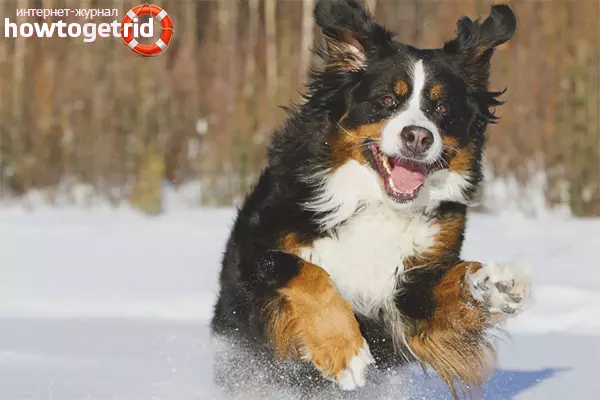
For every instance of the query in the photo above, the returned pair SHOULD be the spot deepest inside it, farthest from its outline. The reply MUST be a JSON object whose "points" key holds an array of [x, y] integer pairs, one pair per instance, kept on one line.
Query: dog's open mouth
{"points": [[402, 178]]}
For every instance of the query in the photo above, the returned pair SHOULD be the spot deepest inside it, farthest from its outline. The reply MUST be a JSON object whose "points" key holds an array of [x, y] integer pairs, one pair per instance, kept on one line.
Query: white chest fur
{"points": [[364, 260]]}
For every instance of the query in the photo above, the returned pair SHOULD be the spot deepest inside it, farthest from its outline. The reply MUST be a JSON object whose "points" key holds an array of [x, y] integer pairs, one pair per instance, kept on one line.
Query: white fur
{"points": [[442, 185], [353, 185], [374, 234], [412, 114], [365, 256], [353, 376], [370, 235], [341, 192], [504, 288]]}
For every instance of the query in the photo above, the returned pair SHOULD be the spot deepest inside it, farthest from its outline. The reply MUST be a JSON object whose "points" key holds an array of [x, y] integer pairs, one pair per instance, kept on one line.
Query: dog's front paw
{"points": [[503, 288], [353, 375], [317, 324], [341, 359]]}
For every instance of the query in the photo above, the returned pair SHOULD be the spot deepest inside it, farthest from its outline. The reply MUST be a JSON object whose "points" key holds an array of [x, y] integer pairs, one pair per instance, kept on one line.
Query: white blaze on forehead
{"points": [[418, 72], [412, 114]]}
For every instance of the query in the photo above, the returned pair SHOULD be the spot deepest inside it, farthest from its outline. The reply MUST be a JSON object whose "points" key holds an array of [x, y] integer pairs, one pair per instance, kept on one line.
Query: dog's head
{"points": [[414, 118]]}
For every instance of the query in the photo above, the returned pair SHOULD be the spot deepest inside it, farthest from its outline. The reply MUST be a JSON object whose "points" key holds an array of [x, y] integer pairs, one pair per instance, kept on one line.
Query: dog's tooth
{"points": [[386, 163], [391, 183], [393, 186]]}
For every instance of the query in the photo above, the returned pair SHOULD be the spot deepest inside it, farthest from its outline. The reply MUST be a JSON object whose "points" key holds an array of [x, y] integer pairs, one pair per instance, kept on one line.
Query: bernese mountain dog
{"points": [[347, 251]]}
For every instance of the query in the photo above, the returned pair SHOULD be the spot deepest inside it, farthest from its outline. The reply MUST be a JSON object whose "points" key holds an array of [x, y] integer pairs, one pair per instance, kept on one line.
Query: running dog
{"points": [[347, 251]]}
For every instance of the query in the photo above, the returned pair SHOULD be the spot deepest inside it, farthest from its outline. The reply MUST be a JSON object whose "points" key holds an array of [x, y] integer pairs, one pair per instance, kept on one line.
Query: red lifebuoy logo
{"points": [[166, 26]]}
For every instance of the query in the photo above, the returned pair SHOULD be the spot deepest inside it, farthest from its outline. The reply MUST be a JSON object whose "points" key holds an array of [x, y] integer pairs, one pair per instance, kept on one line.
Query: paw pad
{"points": [[504, 288]]}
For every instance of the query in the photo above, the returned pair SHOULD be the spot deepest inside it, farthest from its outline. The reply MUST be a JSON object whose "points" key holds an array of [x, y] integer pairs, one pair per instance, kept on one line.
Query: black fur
{"points": [[254, 266]]}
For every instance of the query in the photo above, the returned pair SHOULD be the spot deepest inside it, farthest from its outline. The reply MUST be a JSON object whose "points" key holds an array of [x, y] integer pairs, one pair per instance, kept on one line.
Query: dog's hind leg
{"points": [[451, 312]]}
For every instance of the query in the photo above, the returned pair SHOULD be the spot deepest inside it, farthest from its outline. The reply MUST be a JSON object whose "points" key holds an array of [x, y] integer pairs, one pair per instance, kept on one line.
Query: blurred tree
{"points": [[74, 112], [147, 190]]}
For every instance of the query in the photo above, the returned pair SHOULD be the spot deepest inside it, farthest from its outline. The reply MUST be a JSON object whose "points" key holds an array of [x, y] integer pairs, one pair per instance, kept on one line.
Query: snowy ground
{"points": [[111, 305]]}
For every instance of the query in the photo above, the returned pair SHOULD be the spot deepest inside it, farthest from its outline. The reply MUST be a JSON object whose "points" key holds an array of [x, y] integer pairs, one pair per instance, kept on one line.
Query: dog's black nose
{"points": [[417, 139]]}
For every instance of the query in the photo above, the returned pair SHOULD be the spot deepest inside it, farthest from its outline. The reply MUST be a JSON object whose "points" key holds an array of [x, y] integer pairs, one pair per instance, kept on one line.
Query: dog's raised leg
{"points": [[309, 320], [451, 332]]}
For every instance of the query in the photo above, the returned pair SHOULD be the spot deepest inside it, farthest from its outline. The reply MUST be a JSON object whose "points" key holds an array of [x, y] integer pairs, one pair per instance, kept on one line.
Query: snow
{"points": [[107, 304]]}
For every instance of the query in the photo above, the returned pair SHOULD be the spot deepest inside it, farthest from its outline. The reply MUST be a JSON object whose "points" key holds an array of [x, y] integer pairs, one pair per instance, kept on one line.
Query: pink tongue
{"points": [[407, 177]]}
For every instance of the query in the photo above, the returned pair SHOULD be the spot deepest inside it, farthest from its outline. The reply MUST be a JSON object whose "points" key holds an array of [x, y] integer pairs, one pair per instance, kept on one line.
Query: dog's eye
{"points": [[441, 109], [387, 101]]}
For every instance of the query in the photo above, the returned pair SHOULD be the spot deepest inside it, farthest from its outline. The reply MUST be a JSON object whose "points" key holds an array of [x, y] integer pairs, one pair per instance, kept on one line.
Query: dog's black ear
{"points": [[475, 42], [350, 33]]}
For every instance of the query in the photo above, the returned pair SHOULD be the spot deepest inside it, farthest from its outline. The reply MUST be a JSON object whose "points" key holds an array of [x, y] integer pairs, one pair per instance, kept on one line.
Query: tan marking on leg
{"points": [[453, 341], [311, 321]]}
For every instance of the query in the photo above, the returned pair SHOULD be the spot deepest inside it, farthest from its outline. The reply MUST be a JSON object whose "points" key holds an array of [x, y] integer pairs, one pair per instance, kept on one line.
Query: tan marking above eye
{"points": [[435, 93], [401, 87]]}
